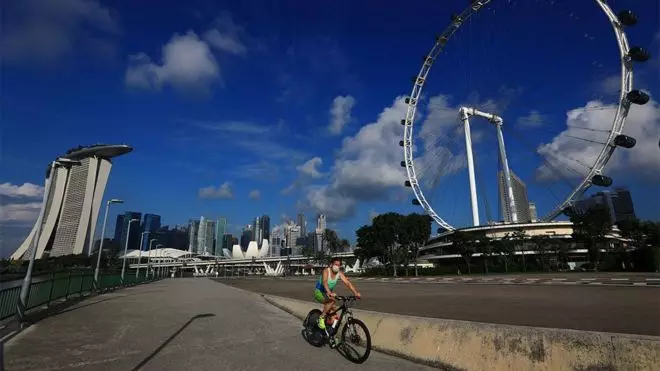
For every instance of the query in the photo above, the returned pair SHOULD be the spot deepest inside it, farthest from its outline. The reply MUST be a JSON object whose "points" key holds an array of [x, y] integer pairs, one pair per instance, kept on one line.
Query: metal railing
{"points": [[63, 286]]}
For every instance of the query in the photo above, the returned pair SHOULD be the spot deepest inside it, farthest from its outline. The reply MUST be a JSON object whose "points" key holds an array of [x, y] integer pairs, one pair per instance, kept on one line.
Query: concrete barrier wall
{"points": [[463, 345]]}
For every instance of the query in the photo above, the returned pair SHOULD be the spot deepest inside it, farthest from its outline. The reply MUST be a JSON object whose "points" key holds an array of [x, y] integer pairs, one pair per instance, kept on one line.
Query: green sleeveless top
{"points": [[332, 282]]}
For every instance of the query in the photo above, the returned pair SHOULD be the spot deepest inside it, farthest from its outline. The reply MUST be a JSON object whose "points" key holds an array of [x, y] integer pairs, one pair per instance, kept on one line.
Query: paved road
{"points": [[630, 309], [179, 324], [609, 279]]}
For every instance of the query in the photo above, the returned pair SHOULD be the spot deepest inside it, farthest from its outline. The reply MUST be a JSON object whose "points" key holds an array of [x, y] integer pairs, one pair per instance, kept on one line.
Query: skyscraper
{"points": [[320, 222], [206, 236], [246, 237], [150, 225], [618, 203], [193, 233], [292, 236], [623, 205], [134, 238], [73, 204], [320, 229], [119, 228], [228, 242], [533, 216], [265, 228], [256, 228], [220, 240], [302, 223], [520, 199]]}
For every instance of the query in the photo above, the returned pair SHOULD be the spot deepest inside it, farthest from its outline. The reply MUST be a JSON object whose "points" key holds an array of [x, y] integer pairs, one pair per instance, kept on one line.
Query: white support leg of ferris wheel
{"points": [[507, 174], [464, 115]]}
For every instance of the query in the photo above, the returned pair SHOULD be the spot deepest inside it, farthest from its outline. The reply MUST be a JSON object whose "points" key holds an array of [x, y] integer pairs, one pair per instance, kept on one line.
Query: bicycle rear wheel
{"points": [[311, 332], [356, 340]]}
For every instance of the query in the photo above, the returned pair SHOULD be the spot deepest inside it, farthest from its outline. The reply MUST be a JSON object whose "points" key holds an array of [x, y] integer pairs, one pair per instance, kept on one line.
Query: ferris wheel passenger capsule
{"points": [[403, 164], [638, 97], [639, 54], [401, 143], [625, 141], [415, 202], [601, 180], [407, 183], [627, 18]]}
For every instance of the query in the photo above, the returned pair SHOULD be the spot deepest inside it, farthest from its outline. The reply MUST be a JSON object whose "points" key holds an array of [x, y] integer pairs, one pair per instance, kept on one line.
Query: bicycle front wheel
{"points": [[356, 340]]}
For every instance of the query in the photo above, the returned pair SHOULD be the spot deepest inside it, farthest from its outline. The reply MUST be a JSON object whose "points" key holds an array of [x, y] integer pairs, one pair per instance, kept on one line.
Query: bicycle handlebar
{"points": [[346, 298]]}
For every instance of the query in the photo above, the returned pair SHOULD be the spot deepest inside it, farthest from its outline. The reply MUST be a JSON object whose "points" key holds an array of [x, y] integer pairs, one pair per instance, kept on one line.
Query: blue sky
{"points": [[243, 108]]}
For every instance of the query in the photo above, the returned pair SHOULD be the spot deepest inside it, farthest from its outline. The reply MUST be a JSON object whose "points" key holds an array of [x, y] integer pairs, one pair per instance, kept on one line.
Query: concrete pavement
{"points": [[176, 324], [631, 310]]}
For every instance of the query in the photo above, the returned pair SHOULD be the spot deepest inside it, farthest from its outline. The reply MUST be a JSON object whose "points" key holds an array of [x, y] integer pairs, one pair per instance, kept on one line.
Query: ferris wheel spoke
{"points": [[586, 140], [589, 129], [557, 156]]}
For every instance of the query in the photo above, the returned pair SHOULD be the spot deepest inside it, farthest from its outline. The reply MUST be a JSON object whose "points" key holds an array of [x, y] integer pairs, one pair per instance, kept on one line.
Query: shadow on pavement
{"points": [[12, 327], [172, 337]]}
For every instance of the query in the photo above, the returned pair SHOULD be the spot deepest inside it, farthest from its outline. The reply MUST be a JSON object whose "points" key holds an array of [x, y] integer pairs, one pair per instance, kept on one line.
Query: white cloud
{"points": [[25, 190], [222, 192], [533, 120], [47, 30], [611, 85], [25, 212], [340, 113], [187, 64], [372, 214], [310, 168], [225, 36], [306, 172], [643, 124], [366, 167], [255, 194]]}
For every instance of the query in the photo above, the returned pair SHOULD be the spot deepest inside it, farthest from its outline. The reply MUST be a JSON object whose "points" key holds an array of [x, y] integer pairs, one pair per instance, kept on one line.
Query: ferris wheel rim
{"points": [[618, 122]]}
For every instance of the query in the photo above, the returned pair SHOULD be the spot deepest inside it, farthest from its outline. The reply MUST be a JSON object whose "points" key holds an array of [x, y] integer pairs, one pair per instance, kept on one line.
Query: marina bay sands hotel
{"points": [[76, 182]]}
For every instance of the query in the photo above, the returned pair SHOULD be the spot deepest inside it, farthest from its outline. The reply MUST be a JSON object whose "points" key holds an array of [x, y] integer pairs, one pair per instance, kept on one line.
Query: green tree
{"points": [[367, 246], [543, 249], [331, 241], [505, 250], [387, 228], [344, 245], [644, 239], [465, 244], [307, 251], [518, 238], [418, 228], [559, 249], [484, 246], [590, 228]]}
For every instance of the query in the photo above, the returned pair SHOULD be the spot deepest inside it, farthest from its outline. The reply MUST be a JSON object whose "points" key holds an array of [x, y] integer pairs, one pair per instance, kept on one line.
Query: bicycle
{"points": [[318, 337]]}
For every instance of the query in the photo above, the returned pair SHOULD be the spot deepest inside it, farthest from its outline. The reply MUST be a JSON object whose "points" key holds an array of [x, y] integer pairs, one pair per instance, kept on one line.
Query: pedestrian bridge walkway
{"points": [[175, 324]]}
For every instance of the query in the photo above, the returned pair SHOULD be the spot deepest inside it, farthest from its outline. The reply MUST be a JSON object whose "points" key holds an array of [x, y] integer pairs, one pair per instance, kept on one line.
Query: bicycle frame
{"points": [[344, 308]]}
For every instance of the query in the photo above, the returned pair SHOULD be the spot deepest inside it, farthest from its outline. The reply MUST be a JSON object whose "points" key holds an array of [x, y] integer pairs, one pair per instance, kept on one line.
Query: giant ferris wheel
{"points": [[594, 174]]}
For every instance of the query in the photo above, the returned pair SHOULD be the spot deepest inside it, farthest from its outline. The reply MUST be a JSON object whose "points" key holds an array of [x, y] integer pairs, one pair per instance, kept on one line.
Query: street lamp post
{"points": [[137, 271], [105, 221], [27, 280], [149, 257], [160, 260], [128, 234]]}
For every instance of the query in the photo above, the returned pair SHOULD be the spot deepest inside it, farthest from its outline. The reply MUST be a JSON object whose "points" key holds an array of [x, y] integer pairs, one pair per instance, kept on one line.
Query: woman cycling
{"points": [[325, 286]]}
